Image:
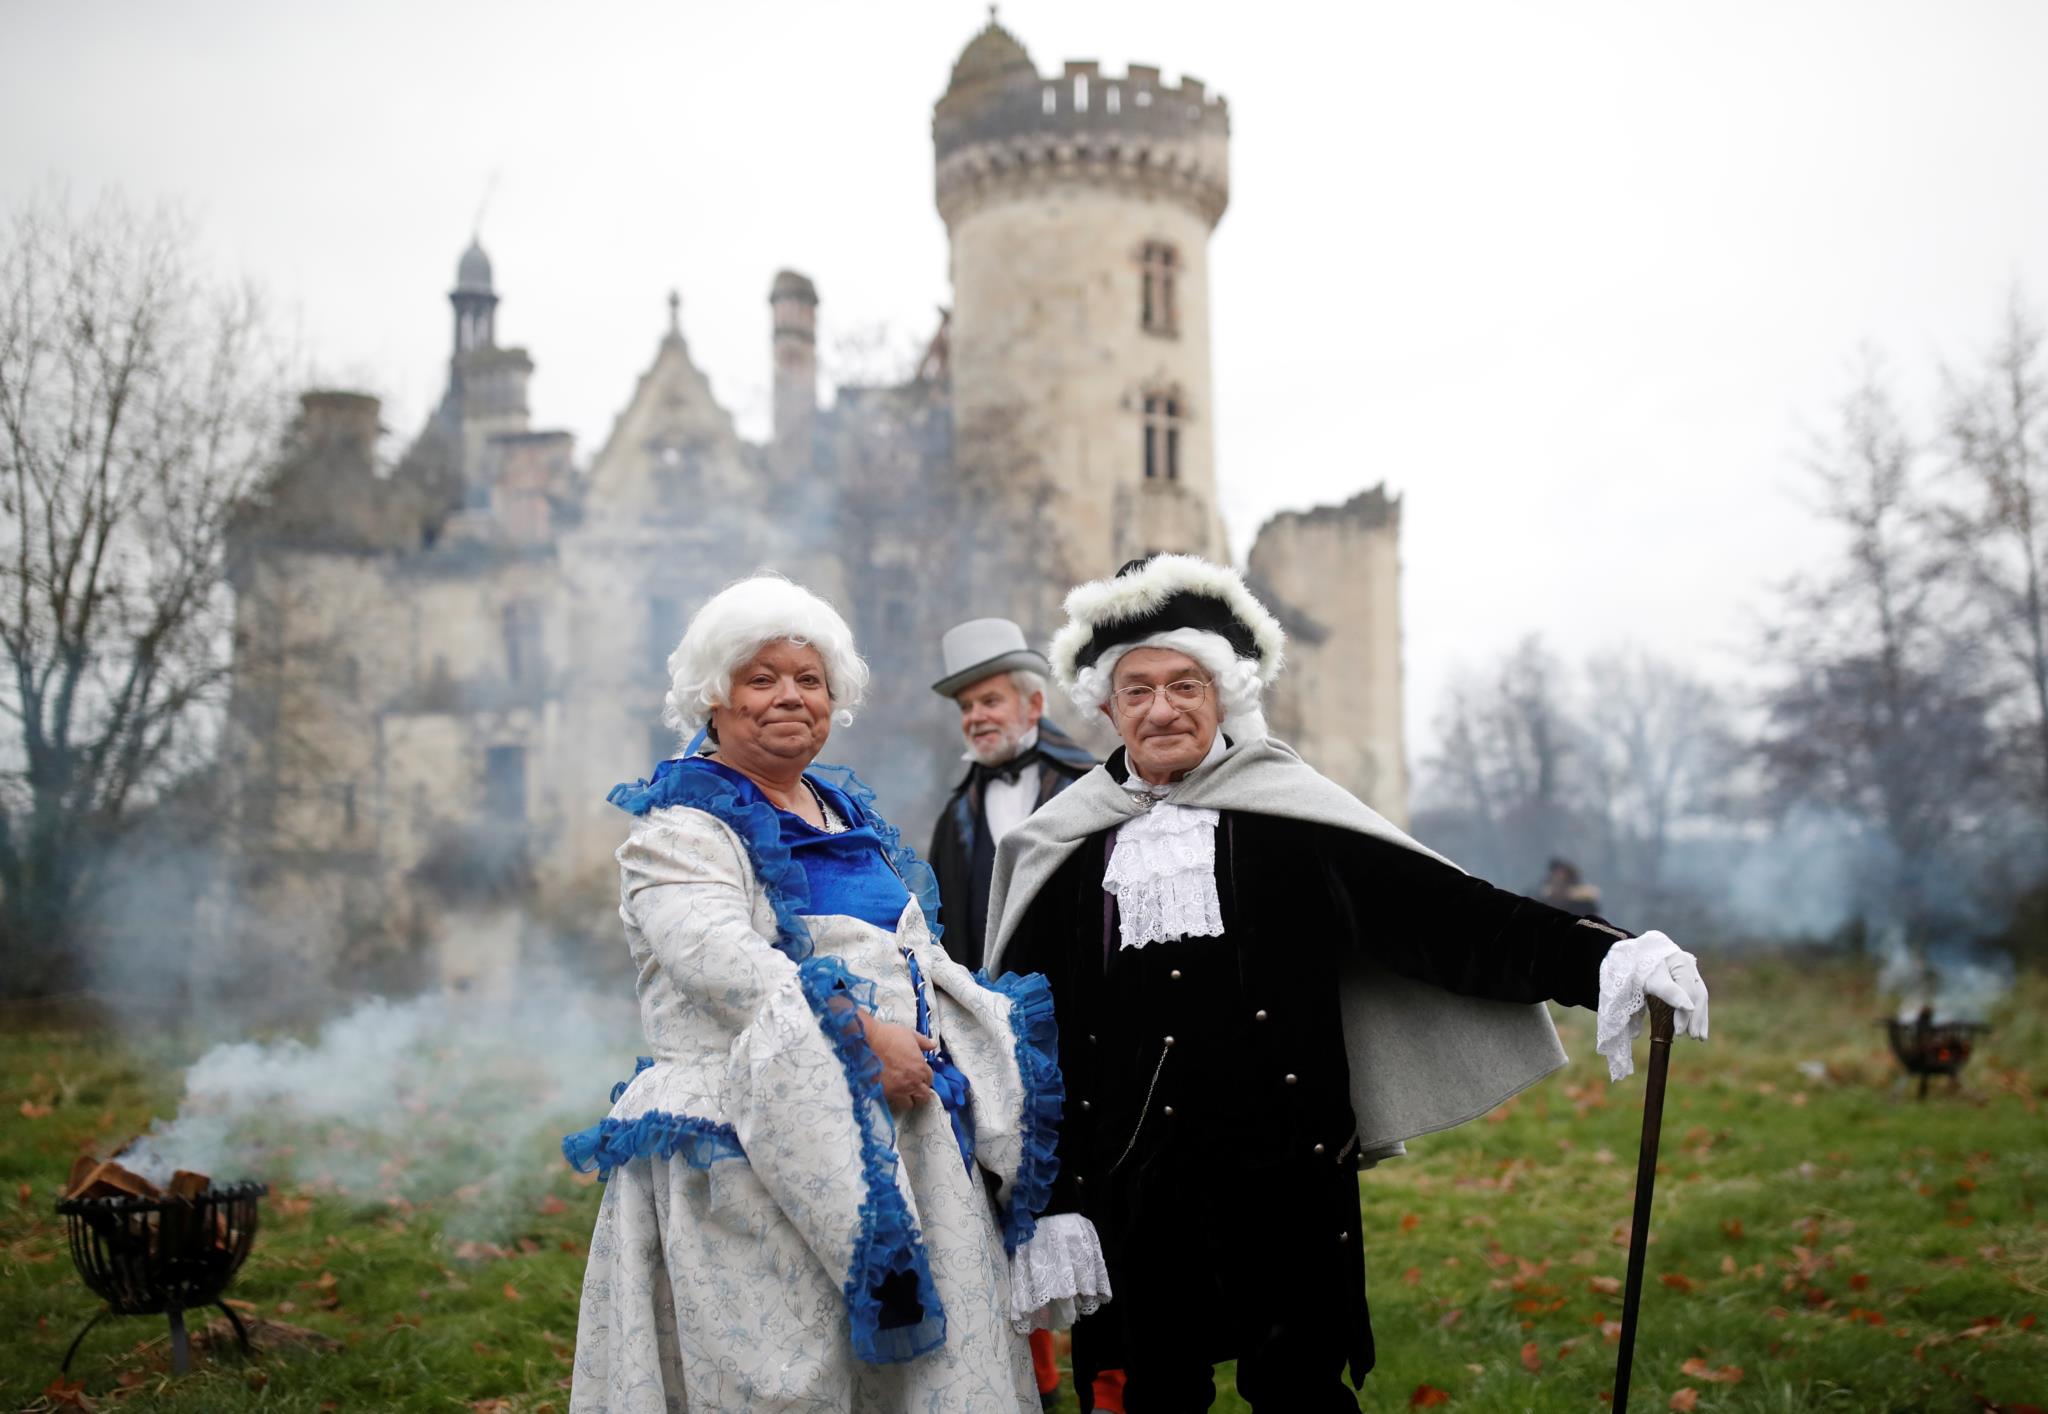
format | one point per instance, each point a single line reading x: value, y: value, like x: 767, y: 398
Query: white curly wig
x: 738, y: 622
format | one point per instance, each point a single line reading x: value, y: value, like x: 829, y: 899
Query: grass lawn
x: 1822, y: 1240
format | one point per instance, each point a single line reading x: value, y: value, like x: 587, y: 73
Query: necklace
x: 827, y: 821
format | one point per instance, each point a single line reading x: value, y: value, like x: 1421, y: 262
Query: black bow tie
x: 1008, y: 771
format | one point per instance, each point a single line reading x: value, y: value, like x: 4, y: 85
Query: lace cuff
x: 1058, y: 1276
x: 1620, y: 1015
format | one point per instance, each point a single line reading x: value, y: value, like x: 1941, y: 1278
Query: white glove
x: 1650, y: 965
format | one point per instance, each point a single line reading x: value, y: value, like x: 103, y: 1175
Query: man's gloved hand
x: 1674, y: 977
x: 1649, y: 966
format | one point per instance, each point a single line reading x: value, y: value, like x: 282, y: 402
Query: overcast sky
x: 1571, y: 278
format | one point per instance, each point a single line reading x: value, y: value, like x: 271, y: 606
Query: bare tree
x: 1997, y: 521
x: 1507, y: 766
x: 135, y: 410
x: 1879, y: 712
x: 1658, y: 748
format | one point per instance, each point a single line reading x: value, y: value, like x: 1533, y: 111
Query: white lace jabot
x: 1162, y: 869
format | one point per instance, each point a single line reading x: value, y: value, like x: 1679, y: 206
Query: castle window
x: 1080, y: 93
x: 505, y: 782
x: 1112, y: 100
x: 1162, y: 436
x: 1051, y: 101
x: 524, y: 660
x: 1158, y: 311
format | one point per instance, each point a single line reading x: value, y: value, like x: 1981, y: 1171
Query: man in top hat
x: 1017, y: 761
x: 1262, y: 987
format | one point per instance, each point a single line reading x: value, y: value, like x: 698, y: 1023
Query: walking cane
x: 1646, y: 1179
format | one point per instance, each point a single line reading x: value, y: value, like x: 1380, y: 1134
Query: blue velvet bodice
x: 849, y: 873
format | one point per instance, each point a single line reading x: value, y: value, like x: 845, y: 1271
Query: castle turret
x: 1079, y: 210
x: 486, y: 394
x: 794, y: 301
x: 476, y: 304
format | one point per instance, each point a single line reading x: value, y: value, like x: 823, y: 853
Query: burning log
x: 154, y: 1251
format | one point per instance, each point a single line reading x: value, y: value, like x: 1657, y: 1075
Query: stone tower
x: 1079, y: 210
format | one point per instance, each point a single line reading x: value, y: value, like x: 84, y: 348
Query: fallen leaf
x: 1413, y: 1276
x: 28, y: 1193
x: 1678, y: 1281
x: 1450, y: 1318
x: 1410, y: 1222
x: 1606, y: 1286
x: 1699, y: 1369
x: 1532, y: 1358
x: 1686, y: 1399
x: 552, y: 1205
x: 31, y: 1110
x: 1428, y: 1397
x: 512, y: 1293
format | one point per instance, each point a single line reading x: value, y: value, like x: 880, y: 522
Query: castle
x: 442, y: 664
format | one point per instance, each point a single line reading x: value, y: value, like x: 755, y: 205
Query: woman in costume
x: 815, y: 1183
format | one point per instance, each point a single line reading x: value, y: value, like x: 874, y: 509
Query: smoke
x: 440, y: 1098
x: 1956, y: 983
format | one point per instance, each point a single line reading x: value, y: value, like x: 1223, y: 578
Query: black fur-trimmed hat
x: 1156, y: 595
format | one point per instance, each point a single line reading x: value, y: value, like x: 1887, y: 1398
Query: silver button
x: 1293, y: 1079
x: 1080, y: 1182
x: 1169, y: 1040
x: 1175, y: 974
x: 1259, y: 1015
x: 1091, y: 1038
x: 1343, y: 1237
x: 1169, y: 1111
x: 1319, y: 1148
x: 1085, y: 1107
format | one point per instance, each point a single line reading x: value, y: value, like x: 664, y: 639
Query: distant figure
x: 1564, y: 887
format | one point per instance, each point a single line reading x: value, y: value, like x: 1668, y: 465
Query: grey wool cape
x: 1421, y: 1058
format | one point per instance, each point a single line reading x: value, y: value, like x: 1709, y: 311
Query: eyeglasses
x: 1182, y: 696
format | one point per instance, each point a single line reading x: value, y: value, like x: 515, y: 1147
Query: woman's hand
x: 906, y: 1079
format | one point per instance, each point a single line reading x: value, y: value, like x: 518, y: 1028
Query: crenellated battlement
x: 1000, y: 124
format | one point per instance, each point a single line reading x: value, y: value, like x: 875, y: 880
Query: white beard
x: 996, y: 749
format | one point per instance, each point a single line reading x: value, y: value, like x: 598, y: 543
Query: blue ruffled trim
x: 658, y: 1134
x: 917, y: 876
x: 1038, y: 1049
x: 892, y: 1305
x: 676, y: 782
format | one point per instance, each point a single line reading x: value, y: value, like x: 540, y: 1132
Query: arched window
x: 1158, y: 311
x: 1164, y: 417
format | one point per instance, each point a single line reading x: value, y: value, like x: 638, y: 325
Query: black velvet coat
x: 1208, y: 1122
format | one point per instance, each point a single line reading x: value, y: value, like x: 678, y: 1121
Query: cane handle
x: 1661, y: 1021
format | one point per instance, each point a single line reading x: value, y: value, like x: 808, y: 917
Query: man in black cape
x: 1263, y: 986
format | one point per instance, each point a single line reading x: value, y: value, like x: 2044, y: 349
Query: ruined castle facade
x: 442, y: 664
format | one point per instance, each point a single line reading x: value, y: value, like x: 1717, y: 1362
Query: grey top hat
x: 981, y: 648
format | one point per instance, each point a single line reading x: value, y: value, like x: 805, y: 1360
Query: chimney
x: 794, y: 301
x: 340, y: 429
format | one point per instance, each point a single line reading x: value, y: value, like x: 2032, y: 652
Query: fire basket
x: 1927, y: 1048
x: 162, y: 1255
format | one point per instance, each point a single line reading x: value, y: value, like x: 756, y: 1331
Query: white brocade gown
x: 747, y: 1173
